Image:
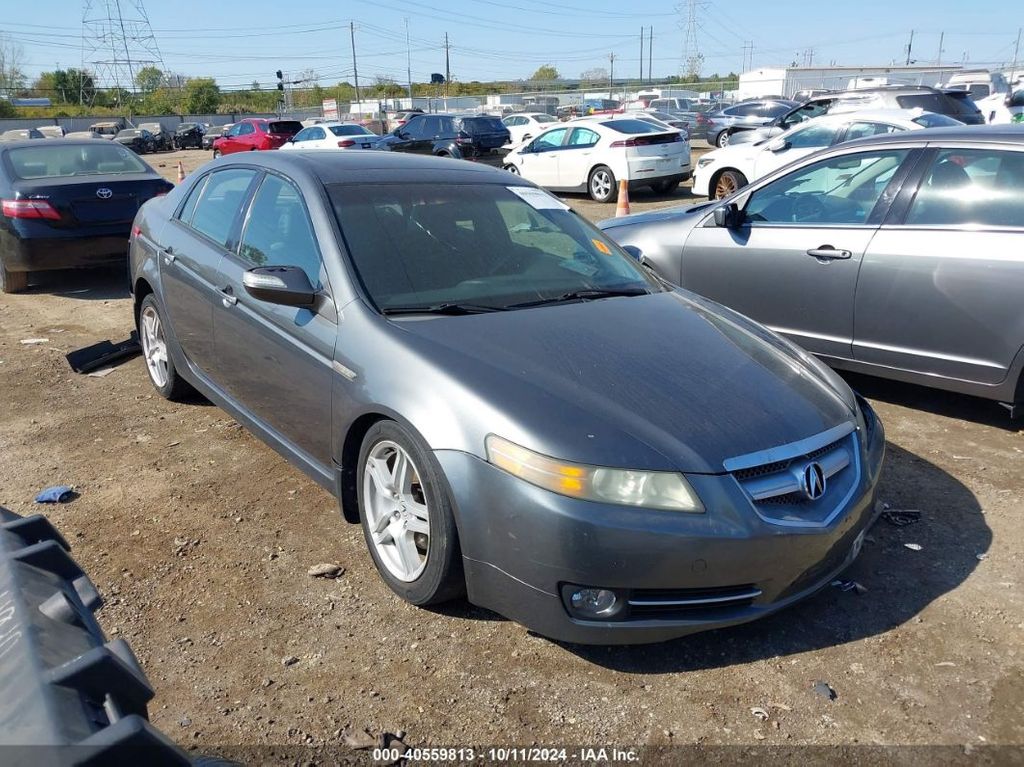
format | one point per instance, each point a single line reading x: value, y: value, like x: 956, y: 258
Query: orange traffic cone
x: 622, y: 206
x: 181, y: 172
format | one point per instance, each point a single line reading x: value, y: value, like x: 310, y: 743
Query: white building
x: 786, y: 81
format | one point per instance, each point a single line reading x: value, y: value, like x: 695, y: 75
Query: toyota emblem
x: 103, y: 193
x: 813, y: 481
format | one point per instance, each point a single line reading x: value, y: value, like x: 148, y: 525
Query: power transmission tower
x: 692, y: 58
x: 117, y: 41
x: 748, y: 55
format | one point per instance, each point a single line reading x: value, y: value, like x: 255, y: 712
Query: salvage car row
x: 573, y: 440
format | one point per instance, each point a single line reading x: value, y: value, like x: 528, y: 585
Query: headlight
x: 704, y: 162
x: 665, y: 490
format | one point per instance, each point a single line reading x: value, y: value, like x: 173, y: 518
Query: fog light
x: 593, y: 603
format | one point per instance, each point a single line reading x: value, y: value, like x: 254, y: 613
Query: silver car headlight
x: 663, y: 490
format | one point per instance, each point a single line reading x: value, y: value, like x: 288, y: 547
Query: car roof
x: 978, y: 134
x: 902, y: 115
x: 371, y: 167
x: 9, y: 145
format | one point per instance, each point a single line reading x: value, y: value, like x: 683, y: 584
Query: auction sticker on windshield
x: 538, y: 198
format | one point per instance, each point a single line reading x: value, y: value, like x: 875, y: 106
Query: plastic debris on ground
x: 901, y: 517
x: 32, y: 341
x: 57, y: 494
x: 759, y: 713
x: 824, y: 689
x: 853, y: 586
x: 913, y: 546
x: 104, y: 354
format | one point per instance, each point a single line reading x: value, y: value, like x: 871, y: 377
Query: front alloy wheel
x: 407, y: 516
x: 396, y: 510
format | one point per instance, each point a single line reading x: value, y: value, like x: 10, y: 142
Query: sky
x: 242, y: 41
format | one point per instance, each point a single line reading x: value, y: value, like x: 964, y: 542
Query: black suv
x: 188, y: 135
x: 479, y: 138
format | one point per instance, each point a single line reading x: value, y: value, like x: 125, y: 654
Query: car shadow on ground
x: 99, y: 284
x: 935, y: 401
x: 900, y: 582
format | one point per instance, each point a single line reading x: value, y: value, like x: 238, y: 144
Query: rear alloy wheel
x: 159, y: 364
x: 216, y: 153
x: 12, y: 282
x: 722, y: 139
x: 407, y: 517
x: 601, y: 184
x: 729, y: 181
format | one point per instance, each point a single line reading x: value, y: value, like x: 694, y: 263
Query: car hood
x: 659, y: 381
x: 665, y: 214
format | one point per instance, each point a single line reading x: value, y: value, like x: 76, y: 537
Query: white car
x: 721, y: 172
x: 593, y: 154
x: 333, y: 135
x: 525, y: 125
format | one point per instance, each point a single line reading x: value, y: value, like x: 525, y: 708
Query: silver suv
x: 953, y: 103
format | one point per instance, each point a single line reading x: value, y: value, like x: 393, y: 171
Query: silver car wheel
x: 601, y: 184
x: 154, y: 346
x: 396, y: 510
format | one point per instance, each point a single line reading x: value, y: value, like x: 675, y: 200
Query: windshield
x: 348, y: 130
x: 485, y: 245
x: 101, y: 157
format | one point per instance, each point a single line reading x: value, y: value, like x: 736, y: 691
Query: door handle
x: 828, y: 253
x: 227, y: 297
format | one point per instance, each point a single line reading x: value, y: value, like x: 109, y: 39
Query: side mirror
x: 728, y: 216
x: 634, y: 251
x: 778, y: 145
x: 284, y: 285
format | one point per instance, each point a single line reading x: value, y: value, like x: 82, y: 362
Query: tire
x: 155, y: 351
x: 390, y: 508
x: 12, y: 282
x: 722, y: 139
x: 727, y: 182
x: 512, y: 169
x: 664, y: 187
x: 601, y: 184
x: 216, y: 153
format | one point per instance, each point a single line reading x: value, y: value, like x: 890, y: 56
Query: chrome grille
x: 775, y: 484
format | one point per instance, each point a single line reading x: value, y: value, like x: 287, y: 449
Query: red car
x: 254, y: 133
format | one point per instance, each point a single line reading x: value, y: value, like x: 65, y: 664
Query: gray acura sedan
x: 509, y: 404
x: 900, y: 256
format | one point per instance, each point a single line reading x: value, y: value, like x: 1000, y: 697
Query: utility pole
x: 641, y: 55
x: 447, y: 70
x: 748, y: 53
x: 408, y: 60
x: 910, y: 47
x: 650, y: 54
x: 1013, y: 69
x: 938, y: 61
x: 611, y: 75
x: 355, y: 72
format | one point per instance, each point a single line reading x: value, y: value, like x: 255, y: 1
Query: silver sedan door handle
x: 828, y: 253
x: 227, y: 297
x: 168, y: 255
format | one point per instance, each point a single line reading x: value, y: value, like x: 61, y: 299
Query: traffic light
x: 280, y: 80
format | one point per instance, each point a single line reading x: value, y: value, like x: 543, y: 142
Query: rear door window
x: 245, y: 129
x: 742, y: 110
x: 583, y: 137
x: 865, y: 129
x: 218, y: 207
x: 971, y: 187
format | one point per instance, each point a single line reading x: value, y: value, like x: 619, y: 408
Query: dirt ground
x: 200, y: 537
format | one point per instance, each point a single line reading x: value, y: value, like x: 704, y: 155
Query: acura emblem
x: 813, y: 481
x: 103, y: 193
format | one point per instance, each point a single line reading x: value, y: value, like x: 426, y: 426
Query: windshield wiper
x: 582, y: 295
x: 447, y: 308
